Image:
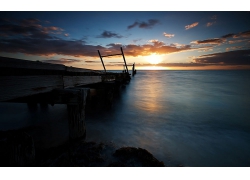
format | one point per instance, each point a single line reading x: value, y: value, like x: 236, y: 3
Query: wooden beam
x: 76, y: 116
x: 79, y: 70
x: 72, y: 81
x: 124, y: 59
x: 112, y: 55
x: 102, y: 61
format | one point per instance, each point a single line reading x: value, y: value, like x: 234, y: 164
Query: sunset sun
x: 153, y: 59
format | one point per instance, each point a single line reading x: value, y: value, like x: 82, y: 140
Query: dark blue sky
x: 170, y: 39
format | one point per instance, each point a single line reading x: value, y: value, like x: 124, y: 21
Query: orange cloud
x: 234, y: 48
x: 210, y: 24
x: 191, y: 25
x: 168, y: 35
x: 245, y: 34
x: 237, y: 41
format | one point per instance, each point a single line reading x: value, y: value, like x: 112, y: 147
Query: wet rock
x: 131, y: 156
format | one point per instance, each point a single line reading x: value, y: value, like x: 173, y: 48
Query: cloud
x: 238, y: 57
x: 28, y: 28
x: 216, y: 41
x: 61, y: 61
x: 245, y: 34
x: 109, y: 34
x: 146, y: 25
x: 168, y: 35
x: 237, y: 41
x: 228, y: 36
x: 92, y: 61
x: 210, y: 23
x: 34, y: 39
x: 234, y: 48
x: 136, y: 40
x: 191, y: 25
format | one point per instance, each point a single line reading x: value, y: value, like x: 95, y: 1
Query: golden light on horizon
x: 153, y: 58
x: 153, y: 68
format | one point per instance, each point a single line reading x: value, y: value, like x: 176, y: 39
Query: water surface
x: 189, y: 118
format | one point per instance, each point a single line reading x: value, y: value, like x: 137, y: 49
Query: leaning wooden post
x: 124, y: 60
x: 76, y: 115
x: 101, y: 60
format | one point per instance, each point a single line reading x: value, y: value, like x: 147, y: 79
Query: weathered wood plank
x: 72, y: 81
x: 74, y: 69
x: 20, y: 86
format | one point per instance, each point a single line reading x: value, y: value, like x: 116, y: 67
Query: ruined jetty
x: 35, y: 82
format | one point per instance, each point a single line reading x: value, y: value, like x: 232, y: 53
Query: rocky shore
x: 18, y: 149
x: 91, y: 154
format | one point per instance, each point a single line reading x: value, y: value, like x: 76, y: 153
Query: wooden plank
x: 72, y: 81
x: 112, y: 55
x: 74, y: 69
x: 20, y: 86
x: 18, y: 63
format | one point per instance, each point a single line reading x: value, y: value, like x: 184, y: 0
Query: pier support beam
x: 76, y: 115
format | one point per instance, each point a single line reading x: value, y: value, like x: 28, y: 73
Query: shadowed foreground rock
x: 91, y: 154
x: 131, y: 156
x: 17, y: 148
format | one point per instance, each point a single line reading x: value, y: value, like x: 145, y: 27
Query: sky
x: 172, y: 40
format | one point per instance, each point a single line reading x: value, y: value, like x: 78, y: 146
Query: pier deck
x: 22, y: 78
x: 35, y: 82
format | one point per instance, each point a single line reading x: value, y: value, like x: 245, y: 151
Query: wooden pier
x: 34, y: 82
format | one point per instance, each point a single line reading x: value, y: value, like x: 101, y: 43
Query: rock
x: 131, y: 156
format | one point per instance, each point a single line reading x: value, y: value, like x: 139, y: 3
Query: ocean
x: 184, y: 118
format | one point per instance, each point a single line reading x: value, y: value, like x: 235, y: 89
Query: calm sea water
x: 189, y: 118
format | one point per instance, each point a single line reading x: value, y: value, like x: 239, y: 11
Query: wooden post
x: 76, y: 114
x: 124, y: 60
x: 101, y: 60
x: 21, y: 149
x: 133, y: 70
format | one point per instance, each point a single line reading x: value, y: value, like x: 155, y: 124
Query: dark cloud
x: 228, y: 36
x: 28, y: 28
x: 216, y: 41
x: 29, y: 21
x: 239, y: 57
x: 146, y: 25
x: 92, y: 61
x: 109, y: 34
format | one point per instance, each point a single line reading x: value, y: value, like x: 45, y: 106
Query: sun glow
x: 154, y: 59
x: 153, y: 68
